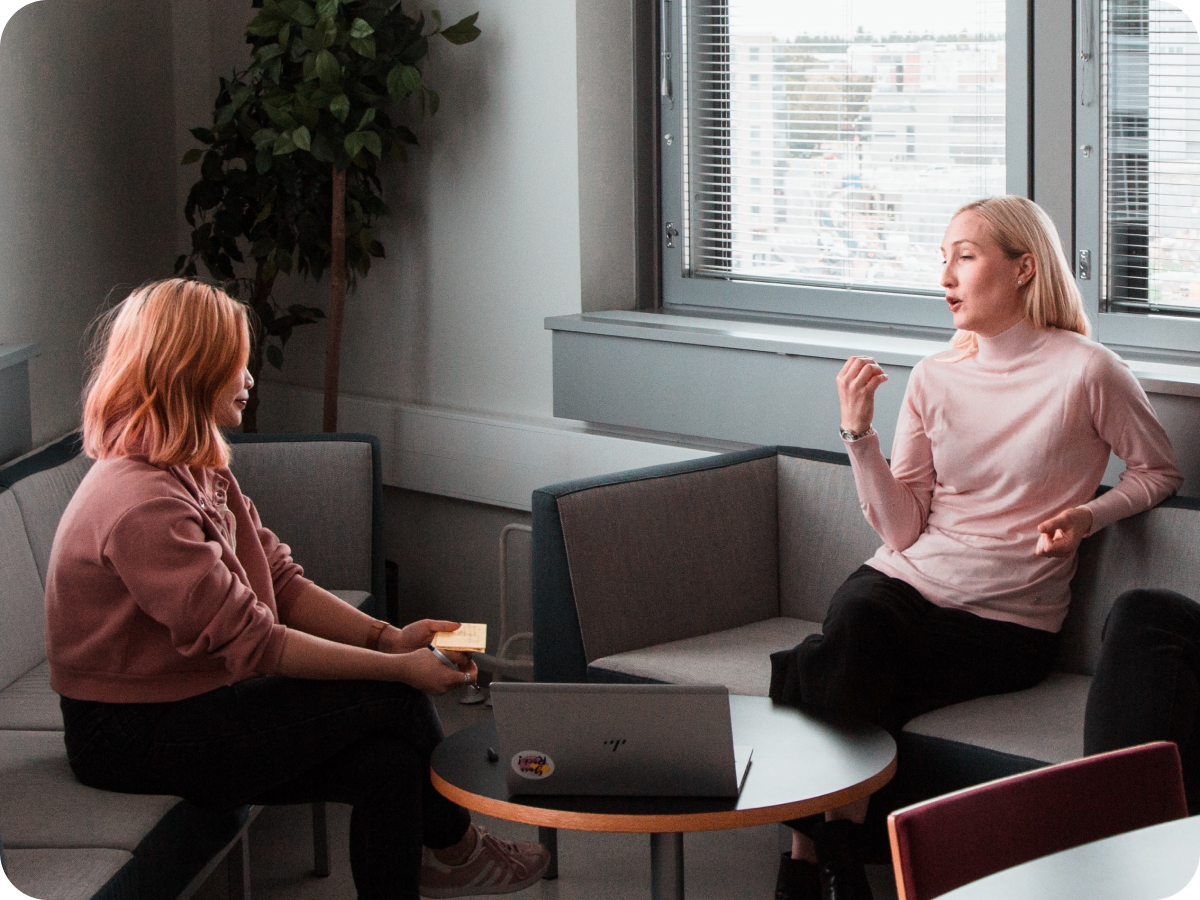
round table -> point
(1147, 864)
(802, 764)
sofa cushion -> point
(639, 582)
(823, 534)
(28, 704)
(64, 873)
(738, 658)
(42, 805)
(22, 609)
(1159, 548)
(42, 498)
(1044, 723)
(334, 496)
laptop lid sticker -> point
(533, 765)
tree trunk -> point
(337, 303)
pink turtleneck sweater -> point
(989, 446)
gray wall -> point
(86, 179)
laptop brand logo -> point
(615, 744)
(533, 764)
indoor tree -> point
(291, 169)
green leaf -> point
(364, 47)
(203, 135)
(263, 214)
(353, 143)
(340, 107)
(268, 53)
(326, 9)
(411, 78)
(323, 149)
(263, 160)
(367, 118)
(372, 143)
(437, 19)
(360, 29)
(266, 24)
(395, 83)
(284, 144)
(301, 13)
(434, 102)
(274, 356)
(310, 66)
(302, 138)
(263, 137)
(192, 156)
(463, 31)
(285, 35)
(328, 69)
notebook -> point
(632, 740)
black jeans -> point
(887, 655)
(1147, 684)
(276, 740)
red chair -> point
(949, 841)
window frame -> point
(1134, 334)
(706, 294)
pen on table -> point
(443, 657)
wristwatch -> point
(852, 436)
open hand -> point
(857, 382)
(1060, 535)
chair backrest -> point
(823, 534)
(950, 841)
(637, 585)
(1159, 548)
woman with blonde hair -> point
(1001, 444)
(195, 659)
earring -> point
(1019, 282)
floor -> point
(729, 865)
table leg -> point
(548, 838)
(666, 866)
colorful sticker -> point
(533, 764)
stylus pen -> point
(443, 657)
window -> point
(869, 120)
(1138, 185)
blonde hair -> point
(160, 358)
(1052, 299)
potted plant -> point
(290, 172)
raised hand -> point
(857, 382)
(1061, 534)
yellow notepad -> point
(470, 638)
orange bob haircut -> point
(160, 358)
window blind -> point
(1150, 73)
(829, 144)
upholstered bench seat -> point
(65, 873)
(737, 657)
(28, 704)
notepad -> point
(471, 637)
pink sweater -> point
(147, 599)
(990, 446)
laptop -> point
(629, 740)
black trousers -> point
(277, 740)
(1147, 684)
(887, 655)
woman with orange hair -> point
(195, 659)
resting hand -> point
(415, 636)
(857, 382)
(424, 671)
(1061, 534)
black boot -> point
(840, 861)
(798, 880)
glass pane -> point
(1152, 157)
(830, 142)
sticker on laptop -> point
(533, 764)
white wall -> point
(483, 241)
(85, 178)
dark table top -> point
(801, 765)
(1148, 864)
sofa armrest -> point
(652, 555)
(323, 495)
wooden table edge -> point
(657, 824)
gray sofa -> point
(696, 572)
(62, 841)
